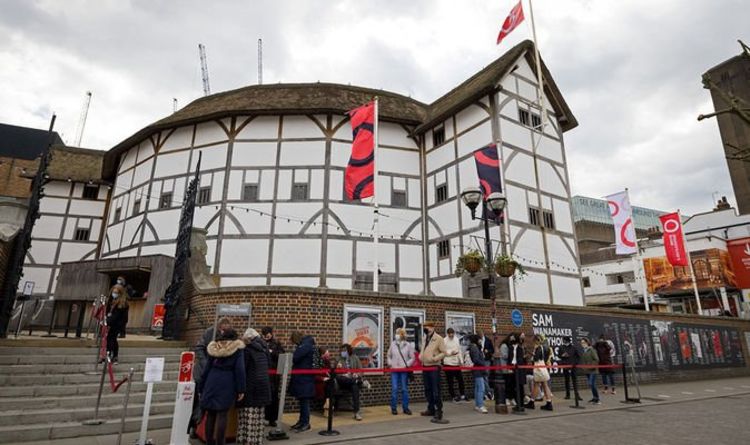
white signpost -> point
(183, 404)
(28, 289)
(153, 372)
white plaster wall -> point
(48, 227)
(53, 205)
(567, 291)
(244, 256)
(411, 261)
(71, 251)
(180, 138)
(43, 252)
(261, 127)
(532, 288)
(296, 256)
(303, 153)
(562, 215)
(475, 139)
(254, 154)
(210, 132)
(447, 288)
(339, 258)
(301, 127)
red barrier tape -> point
(115, 386)
(435, 368)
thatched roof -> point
(314, 98)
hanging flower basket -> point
(507, 267)
(470, 262)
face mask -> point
(344, 354)
(115, 296)
(121, 282)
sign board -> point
(28, 288)
(712, 268)
(187, 362)
(233, 310)
(154, 370)
(516, 317)
(183, 408)
(157, 319)
(363, 330)
(739, 251)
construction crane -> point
(82, 118)
(260, 61)
(204, 69)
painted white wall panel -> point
(123, 182)
(295, 281)
(235, 185)
(254, 154)
(339, 257)
(244, 256)
(447, 288)
(285, 184)
(173, 164)
(303, 153)
(517, 208)
(209, 132)
(43, 252)
(445, 215)
(410, 287)
(164, 223)
(39, 275)
(411, 261)
(301, 127)
(339, 283)
(164, 249)
(128, 160)
(261, 127)
(180, 138)
(142, 172)
(394, 135)
(74, 251)
(521, 169)
(533, 288)
(317, 179)
(469, 117)
(560, 254)
(340, 154)
(296, 256)
(252, 222)
(515, 134)
(549, 180)
(145, 151)
(439, 157)
(562, 215)
(567, 291)
(267, 179)
(550, 149)
(386, 257)
(48, 227)
(242, 281)
(85, 207)
(297, 211)
(398, 161)
(56, 188)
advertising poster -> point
(687, 353)
(695, 337)
(690, 346)
(739, 252)
(661, 339)
(464, 325)
(363, 330)
(713, 269)
(411, 320)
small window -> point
(523, 117)
(398, 198)
(549, 219)
(82, 234)
(137, 206)
(586, 282)
(441, 193)
(444, 249)
(118, 214)
(166, 200)
(534, 216)
(438, 136)
(299, 192)
(536, 121)
(90, 192)
(250, 192)
(204, 195)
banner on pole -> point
(674, 242)
(622, 216)
(359, 178)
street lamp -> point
(493, 204)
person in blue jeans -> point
(303, 386)
(590, 358)
(400, 356)
(478, 359)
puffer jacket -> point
(224, 376)
(258, 383)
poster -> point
(739, 252)
(363, 331)
(411, 320)
(464, 325)
(690, 346)
(695, 337)
(713, 269)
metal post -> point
(67, 321)
(20, 317)
(33, 311)
(146, 408)
(329, 431)
(52, 320)
(574, 377)
(81, 314)
(96, 420)
(125, 406)
(635, 378)
(285, 364)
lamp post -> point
(493, 204)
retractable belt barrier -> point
(444, 368)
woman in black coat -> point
(302, 386)
(222, 384)
(258, 393)
(117, 319)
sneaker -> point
(597, 402)
(480, 409)
(302, 428)
(427, 413)
(529, 405)
(613, 392)
(463, 399)
(358, 416)
(547, 406)
(407, 411)
(394, 411)
(456, 399)
(272, 424)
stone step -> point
(89, 357)
(137, 363)
(51, 431)
(90, 351)
(88, 389)
(89, 400)
(170, 373)
(62, 415)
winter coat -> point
(477, 357)
(201, 355)
(569, 355)
(588, 358)
(488, 349)
(275, 349)
(257, 381)
(303, 386)
(117, 318)
(604, 351)
(394, 358)
(450, 347)
(224, 376)
(433, 350)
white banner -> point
(622, 215)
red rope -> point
(435, 368)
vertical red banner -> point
(674, 243)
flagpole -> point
(376, 212)
(540, 86)
(638, 259)
(690, 265)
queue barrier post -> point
(576, 395)
(125, 406)
(96, 420)
(629, 399)
(330, 389)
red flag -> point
(514, 19)
(359, 176)
(673, 239)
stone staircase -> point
(46, 392)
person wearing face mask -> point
(454, 358)
(400, 355)
(433, 353)
(117, 319)
(350, 381)
(275, 349)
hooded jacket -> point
(224, 376)
(258, 383)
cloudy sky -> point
(630, 70)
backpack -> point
(317, 360)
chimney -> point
(723, 204)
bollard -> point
(330, 388)
(96, 420)
(125, 406)
(574, 377)
(518, 409)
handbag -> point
(410, 374)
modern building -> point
(272, 161)
(730, 81)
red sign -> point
(674, 243)
(187, 359)
(157, 320)
(739, 251)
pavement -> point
(707, 411)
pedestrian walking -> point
(590, 358)
(352, 380)
(130, 293)
(201, 361)
(606, 351)
(117, 320)
(454, 358)
(542, 357)
(478, 360)
(432, 355)
(222, 383)
(400, 355)
(275, 349)
(569, 356)
(257, 390)
(302, 386)
(488, 350)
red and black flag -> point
(360, 173)
(488, 170)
